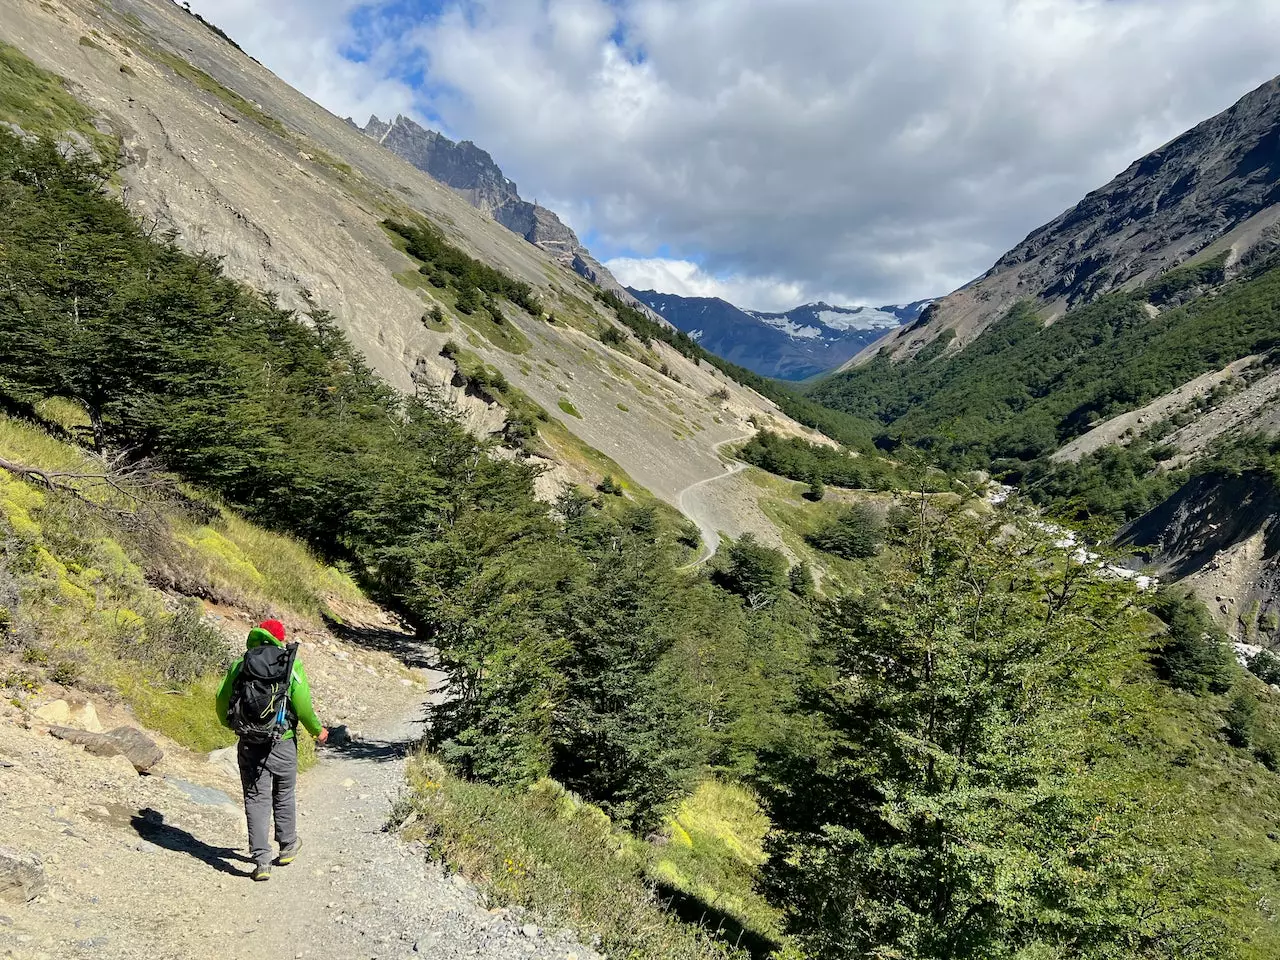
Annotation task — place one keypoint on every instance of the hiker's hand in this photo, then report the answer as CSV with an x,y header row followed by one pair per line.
x,y
324,735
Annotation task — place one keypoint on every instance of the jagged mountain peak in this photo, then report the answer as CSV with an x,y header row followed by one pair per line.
x,y
471,171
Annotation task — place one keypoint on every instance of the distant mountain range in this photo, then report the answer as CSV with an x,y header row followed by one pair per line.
x,y
800,343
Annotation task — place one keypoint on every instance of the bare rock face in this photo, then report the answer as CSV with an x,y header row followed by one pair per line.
x,y
1220,535
22,876
472,172
1214,189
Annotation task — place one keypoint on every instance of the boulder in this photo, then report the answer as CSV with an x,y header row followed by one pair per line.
x,y
22,876
143,752
85,716
57,712
129,742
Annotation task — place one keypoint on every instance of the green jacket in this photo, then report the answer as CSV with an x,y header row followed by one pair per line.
x,y
299,689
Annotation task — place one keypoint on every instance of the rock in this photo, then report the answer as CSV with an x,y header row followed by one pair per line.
x,y
143,752
85,716
56,712
129,742
225,760
22,876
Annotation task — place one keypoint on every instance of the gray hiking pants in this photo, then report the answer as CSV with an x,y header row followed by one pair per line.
x,y
269,776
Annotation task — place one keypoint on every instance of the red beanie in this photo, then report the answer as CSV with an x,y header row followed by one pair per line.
x,y
273,627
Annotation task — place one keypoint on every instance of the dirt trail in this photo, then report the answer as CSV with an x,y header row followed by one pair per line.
x,y
702,511
156,867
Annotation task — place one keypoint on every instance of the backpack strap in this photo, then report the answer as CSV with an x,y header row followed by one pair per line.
x,y
288,690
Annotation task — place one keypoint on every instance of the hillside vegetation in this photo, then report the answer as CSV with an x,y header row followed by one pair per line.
x,y
980,748
1023,389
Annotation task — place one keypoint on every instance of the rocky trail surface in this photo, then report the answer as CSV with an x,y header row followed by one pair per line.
x,y
97,861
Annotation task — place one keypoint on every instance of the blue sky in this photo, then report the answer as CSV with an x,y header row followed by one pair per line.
x,y
774,151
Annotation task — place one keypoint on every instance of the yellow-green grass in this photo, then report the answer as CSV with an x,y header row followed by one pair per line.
x,y
184,714
85,613
545,850
261,569
713,852
38,101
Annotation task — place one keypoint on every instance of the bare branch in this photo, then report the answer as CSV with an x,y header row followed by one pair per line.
x,y
120,486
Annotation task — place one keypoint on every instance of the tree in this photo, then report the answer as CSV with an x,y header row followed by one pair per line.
x,y
1265,665
800,578
1194,655
853,535
1241,720
816,490
941,805
753,571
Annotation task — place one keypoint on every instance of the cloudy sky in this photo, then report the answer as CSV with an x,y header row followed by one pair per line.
x,y
777,151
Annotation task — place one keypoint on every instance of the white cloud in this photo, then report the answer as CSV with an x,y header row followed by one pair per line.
x,y
301,41
686,279
886,149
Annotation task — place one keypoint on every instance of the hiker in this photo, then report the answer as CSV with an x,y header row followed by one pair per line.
x,y
262,698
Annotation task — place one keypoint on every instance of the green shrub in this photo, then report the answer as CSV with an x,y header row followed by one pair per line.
x,y
1194,655
854,534
753,571
1241,720
1265,665
800,578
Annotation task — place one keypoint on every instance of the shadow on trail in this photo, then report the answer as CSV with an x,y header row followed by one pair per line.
x,y
716,922
374,751
404,645
150,826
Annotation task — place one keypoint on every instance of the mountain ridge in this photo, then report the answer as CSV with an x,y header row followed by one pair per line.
x,y
471,171
1214,188
796,344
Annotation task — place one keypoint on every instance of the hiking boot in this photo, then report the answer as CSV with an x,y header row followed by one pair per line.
x,y
288,853
262,872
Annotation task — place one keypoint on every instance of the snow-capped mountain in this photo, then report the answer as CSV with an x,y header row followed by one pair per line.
x,y
790,346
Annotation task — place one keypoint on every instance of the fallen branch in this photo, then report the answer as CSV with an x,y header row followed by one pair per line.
x,y
136,482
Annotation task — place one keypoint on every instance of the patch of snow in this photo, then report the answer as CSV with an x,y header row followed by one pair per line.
x,y
792,329
866,318
695,335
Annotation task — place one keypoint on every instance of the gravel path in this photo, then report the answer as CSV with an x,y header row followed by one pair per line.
x,y
155,867
357,891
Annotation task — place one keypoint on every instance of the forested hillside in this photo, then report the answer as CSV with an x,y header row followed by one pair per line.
x,y
1023,388
578,650
920,724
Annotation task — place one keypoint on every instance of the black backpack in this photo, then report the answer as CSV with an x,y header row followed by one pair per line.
x,y
260,711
